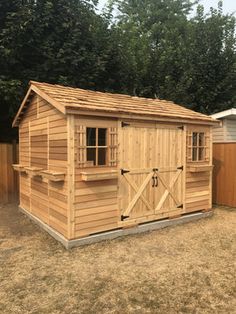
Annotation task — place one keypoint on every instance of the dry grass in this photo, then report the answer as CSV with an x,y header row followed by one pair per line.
x,y
183,269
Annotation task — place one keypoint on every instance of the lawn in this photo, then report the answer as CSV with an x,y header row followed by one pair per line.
x,y
183,269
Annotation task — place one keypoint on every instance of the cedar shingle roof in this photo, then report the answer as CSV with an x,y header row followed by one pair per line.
x,y
65,98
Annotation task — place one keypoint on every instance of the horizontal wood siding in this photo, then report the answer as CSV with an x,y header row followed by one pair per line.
x,y
226,132
224,174
199,184
43,144
219,132
230,130
95,203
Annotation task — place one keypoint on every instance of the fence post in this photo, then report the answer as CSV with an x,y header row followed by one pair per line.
x,y
15,174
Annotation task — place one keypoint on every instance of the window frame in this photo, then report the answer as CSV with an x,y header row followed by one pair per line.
x,y
198,146
97,147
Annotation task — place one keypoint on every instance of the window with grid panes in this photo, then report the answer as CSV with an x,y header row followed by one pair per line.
x,y
198,146
96,146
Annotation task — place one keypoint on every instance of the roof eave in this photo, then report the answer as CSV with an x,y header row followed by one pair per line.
x,y
34,89
20,111
224,114
121,114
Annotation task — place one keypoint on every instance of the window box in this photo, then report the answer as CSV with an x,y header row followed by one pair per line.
x,y
101,175
33,171
199,168
52,175
19,168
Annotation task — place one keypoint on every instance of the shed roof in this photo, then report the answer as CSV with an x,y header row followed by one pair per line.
x,y
67,98
230,114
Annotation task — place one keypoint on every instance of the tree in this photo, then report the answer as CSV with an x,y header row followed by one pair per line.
x,y
141,47
169,55
151,34
54,41
211,76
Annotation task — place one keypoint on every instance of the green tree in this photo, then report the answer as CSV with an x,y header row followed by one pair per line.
x,y
211,77
152,34
141,47
169,55
56,41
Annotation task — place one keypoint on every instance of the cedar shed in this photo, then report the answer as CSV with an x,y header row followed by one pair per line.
x,y
96,165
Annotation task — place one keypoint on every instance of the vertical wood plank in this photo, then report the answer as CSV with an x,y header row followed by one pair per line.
x,y
224,181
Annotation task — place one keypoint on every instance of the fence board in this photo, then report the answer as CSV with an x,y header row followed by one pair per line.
x,y
224,174
9,185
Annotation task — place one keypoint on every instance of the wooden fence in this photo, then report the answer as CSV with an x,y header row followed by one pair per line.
x,y
224,174
8,178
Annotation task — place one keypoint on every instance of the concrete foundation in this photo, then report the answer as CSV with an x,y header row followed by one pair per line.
x,y
112,234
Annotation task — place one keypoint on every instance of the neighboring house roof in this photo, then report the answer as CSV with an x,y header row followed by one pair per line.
x,y
230,113
67,98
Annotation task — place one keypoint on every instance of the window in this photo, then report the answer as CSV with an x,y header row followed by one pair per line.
x,y
198,146
96,146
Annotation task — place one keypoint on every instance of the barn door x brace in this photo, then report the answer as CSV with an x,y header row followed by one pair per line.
x,y
154,174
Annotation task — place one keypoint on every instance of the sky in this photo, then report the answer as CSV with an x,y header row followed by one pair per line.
x,y
229,6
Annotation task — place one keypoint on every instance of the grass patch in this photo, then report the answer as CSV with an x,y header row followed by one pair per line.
x,y
182,269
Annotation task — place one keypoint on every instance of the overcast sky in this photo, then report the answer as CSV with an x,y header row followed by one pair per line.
x,y
229,6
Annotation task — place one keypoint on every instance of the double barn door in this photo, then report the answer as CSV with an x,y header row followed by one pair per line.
x,y
151,174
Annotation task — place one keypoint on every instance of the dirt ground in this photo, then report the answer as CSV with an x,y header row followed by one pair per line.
x,y
183,269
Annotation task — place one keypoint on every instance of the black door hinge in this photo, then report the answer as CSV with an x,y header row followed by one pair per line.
x,y
123,171
181,127
180,168
124,217
180,206
123,124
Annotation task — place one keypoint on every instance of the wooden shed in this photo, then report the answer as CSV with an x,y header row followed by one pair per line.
x,y
224,155
93,162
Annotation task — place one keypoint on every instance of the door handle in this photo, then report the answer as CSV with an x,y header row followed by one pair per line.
x,y
154,181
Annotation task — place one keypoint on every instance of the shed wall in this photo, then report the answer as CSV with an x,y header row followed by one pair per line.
x,y
95,203
43,144
199,184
